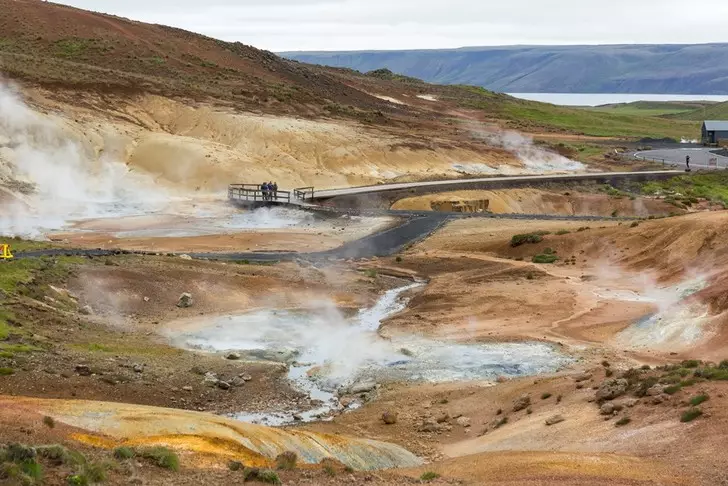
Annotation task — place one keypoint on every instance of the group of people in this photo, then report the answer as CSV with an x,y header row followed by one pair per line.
x,y
270,190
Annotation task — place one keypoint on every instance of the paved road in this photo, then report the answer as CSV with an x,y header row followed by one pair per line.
x,y
699,157
484,181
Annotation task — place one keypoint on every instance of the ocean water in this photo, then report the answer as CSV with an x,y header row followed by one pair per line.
x,y
598,99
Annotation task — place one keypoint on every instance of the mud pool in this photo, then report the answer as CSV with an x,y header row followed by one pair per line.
x,y
330,356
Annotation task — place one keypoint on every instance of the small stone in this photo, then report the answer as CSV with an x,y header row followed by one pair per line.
x,y
237,382
442,418
521,403
629,402
83,370
86,310
389,418
146,299
185,300
137,368
346,402
297,418
232,356
187,388
657,400
246,377
556,419
501,379
223,385
362,387
463,422
655,391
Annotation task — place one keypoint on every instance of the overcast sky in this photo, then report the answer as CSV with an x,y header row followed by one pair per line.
x,y
281,25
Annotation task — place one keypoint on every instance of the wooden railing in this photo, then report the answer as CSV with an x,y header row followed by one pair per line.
x,y
253,193
303,193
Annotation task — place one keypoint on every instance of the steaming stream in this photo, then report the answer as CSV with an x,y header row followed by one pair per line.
x,y
329,354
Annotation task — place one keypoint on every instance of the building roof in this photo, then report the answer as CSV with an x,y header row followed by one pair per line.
x,y
716,126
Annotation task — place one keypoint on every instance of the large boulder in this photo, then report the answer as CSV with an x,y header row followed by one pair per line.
x,y
185,300
521,403
611,389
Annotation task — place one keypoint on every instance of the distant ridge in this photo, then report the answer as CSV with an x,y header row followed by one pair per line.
x,y
642,69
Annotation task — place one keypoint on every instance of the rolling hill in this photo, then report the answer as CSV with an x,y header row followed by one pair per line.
x,y
668,69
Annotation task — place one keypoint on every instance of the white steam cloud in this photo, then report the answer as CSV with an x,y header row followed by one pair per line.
x,y
535,159
69,180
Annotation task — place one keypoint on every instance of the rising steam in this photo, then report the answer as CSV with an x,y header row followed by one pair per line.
x,y
55,177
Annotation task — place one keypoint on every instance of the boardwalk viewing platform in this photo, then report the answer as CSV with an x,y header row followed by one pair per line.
x,y
252,194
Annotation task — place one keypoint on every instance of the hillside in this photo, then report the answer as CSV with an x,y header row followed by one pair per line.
x,y
670,69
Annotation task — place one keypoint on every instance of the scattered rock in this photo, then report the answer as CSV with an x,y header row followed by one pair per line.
x,y
210,380
463,422
522,403
86,310
389,418
232,356
223,385
442,418
137,368
237,382
83,370
583,377
362,387
246,377
556,419
611,389
184,256
501,379
185,300
655,391
628,402
607,409
146,299
187,388
297,418
346,402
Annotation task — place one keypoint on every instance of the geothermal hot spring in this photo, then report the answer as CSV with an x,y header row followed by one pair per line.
x,y
328,354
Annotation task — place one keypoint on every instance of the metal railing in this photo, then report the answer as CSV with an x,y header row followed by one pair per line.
x,y
303,193
253,193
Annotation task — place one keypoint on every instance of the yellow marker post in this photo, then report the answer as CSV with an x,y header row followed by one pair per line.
x,y
5,252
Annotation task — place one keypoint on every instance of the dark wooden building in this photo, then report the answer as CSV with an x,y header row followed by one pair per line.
x,y
715,131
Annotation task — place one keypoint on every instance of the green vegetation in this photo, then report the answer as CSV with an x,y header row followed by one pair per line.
x,y
690,415
49,422
235,465
71,47
93,347
371,273
161,456
650,108
330,470
385,73
545,396
698,399
545,258
286,461
691,363
6,371
501,422
124,453
429,476
530,238
623,421
671,390
687,190
563,232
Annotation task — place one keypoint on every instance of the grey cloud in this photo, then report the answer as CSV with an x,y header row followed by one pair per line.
x,y
397,24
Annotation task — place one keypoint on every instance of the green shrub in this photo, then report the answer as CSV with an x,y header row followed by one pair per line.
x,y
545,396
615,213
124,453
269,477
691,363
33,470
671,390
544,259
19,453
330,470
49,422
530,238
161,456
634,224
723,364
95,472
501,422
235,465
429,476
286,461
698,399
398,259
623,421
608,372
371,273
77,480
563,232
690,415
56,454
549,251
6,371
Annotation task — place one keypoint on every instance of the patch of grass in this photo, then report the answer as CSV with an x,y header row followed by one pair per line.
x,y
545,396
690,415
93,347
429,476
286,461
563,232
371,273
672,389
71,47
161,456
77,480
698,399
330,470
544,259
18,348
528,238
691,363
124,453
6,371
623,421
33,470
